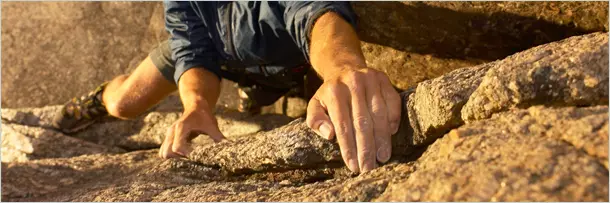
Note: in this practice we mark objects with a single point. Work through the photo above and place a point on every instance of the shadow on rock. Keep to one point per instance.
(475, 30)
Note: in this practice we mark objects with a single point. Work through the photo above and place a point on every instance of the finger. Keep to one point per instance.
(379, 114)
(318, 121)
(182, 136)
(363, 126)
(338, 110)
(392, 100)
(214, 133)
(169, 131)
(166, 151)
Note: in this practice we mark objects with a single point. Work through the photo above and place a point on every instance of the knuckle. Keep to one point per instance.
(342, 128)
(362, 124)
(367, 155)
(333, 88)
(377, 107)
(380, 121)
(355, 86)
(352, 74)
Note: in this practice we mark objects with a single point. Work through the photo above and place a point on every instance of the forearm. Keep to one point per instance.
(199, 89)
(334, 46)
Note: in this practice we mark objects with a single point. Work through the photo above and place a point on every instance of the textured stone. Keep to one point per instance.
(291, 146)
(22, 143)
(423, 40)
(518, 155)
(74, 46)
(144, 177)
(435, 106)
(570, 72)
(148, 130)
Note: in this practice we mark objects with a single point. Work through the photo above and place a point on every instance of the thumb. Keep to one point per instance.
(181, 140)
(318, 121)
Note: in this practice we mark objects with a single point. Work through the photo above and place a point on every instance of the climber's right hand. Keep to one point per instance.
(191, 124)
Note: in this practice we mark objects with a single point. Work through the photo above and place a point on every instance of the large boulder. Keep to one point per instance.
(571, 72)
(536, 154)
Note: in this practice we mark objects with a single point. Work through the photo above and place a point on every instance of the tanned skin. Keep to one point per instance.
(355, 104)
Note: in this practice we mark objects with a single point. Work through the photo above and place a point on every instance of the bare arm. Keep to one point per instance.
(334, 43)
(199, 90)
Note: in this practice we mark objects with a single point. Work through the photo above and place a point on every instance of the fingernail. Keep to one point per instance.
(394, 127)
(353, 165)
(325, 130)
(383, 154)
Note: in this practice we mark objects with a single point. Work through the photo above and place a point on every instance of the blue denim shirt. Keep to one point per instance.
(244, 35)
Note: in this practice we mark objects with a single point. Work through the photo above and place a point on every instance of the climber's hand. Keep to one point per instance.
(186, 128)
(362, 108)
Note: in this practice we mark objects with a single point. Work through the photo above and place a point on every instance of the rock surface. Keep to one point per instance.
(571, 72)
(23, 143)
(74, 46)
(520, 155)
(146, 131)
(423, 40)
(509, 157)
(288, 147)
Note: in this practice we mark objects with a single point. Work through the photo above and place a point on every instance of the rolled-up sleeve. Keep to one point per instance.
(300, 16)
(189, 41)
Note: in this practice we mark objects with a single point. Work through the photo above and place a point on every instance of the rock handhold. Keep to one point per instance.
(435, 106)
(571, 72)
(291, 146)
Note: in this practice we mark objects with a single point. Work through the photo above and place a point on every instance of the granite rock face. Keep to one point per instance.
(571, 72)
(23, 143)
(536, 154)
(287, 147)
(518, 155)
(74, 46)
